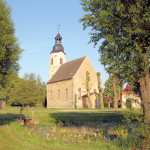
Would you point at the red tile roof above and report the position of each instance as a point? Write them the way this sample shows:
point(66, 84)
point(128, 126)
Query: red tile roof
point(127, 89)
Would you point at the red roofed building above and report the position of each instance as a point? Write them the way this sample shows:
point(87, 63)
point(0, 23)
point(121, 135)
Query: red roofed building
point(127, 93)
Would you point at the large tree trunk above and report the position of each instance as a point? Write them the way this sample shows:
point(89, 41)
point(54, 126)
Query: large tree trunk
point(118, 98)
point(115, 94)
point(145, 95)
point(100, 91)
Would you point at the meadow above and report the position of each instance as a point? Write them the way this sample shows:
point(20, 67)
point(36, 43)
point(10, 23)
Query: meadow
point(108, 129)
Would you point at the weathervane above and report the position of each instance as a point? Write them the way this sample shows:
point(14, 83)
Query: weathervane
point(58, 28)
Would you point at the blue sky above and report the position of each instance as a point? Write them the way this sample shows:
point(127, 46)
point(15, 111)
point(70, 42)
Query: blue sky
point(36, 23)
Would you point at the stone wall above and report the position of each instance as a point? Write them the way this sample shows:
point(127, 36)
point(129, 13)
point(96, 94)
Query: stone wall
point(80, 79)
point(136, 100)
point(57, 97)
point(56, 92)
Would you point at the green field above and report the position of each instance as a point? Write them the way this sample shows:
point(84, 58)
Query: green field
point(71, 129)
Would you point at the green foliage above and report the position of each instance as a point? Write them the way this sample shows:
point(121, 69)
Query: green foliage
point(108, 91)
point(129, 142)
point(133, 117)
point(77, 128)
point(106, 105)
point(135, 137)
point(9, 48)
point(129, 102)
point(29, 90)
point(123, 29)
point(120, 131)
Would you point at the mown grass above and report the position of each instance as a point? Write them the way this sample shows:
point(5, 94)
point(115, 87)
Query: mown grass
point(71, 129)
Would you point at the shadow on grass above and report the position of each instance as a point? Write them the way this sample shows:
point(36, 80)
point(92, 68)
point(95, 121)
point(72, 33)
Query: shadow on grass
point(6, 119)
point(86, 119)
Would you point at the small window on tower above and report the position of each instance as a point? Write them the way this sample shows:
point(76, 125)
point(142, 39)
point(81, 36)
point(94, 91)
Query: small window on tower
point(52, 61)
point(61, 60)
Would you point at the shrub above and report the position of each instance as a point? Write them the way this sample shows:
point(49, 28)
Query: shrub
point(129, 142)
point(119, 131)
point(129, 102)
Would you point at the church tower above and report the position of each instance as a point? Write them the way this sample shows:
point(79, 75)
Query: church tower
point(58, 56)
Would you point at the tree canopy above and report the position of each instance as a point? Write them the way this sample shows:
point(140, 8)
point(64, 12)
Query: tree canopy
point(122, 27)
point(28, 90)
point(9, 47)
point(108, 90)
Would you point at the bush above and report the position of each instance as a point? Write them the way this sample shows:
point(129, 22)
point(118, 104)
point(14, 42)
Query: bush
point(129, 102)
point(106, 104)
point(131, 117)
point(129, 142)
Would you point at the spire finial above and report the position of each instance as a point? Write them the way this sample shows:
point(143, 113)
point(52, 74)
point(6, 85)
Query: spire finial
point(58, 28)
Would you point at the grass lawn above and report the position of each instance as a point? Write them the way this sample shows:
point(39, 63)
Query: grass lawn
point(65, 129)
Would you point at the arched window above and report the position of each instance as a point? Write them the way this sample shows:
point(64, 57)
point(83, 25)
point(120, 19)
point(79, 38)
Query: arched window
point(61, 60)
point(79, 93)
point(66, 94)
point(52, 61)
point(51, 95)
point(58, 94)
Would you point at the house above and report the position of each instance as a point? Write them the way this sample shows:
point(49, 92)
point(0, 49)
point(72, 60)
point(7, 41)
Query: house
point(127, 93)
point(67, 80)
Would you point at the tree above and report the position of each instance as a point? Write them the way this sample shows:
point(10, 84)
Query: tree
point(9, 48)
point(123, 28)
point(113, 87)
point(108, 100)
point(100, 91)
point(88, 87)
point(29, 90)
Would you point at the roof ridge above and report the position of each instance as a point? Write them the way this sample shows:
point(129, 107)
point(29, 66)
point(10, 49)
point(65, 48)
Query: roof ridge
point(67, 70)
point(75, 59)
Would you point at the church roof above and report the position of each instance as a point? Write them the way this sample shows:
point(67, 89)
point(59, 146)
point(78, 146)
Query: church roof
point(58, 48)
point(67, 70)
point(127, 89)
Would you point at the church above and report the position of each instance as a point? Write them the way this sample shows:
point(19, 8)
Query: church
point(66, 87)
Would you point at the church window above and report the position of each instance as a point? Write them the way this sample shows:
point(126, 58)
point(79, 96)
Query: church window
point(61, 60)
point(66, 94)
point(58, 94)
point(52, 61)
point(94, 90)
point(79, 93)
point(51, 95)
